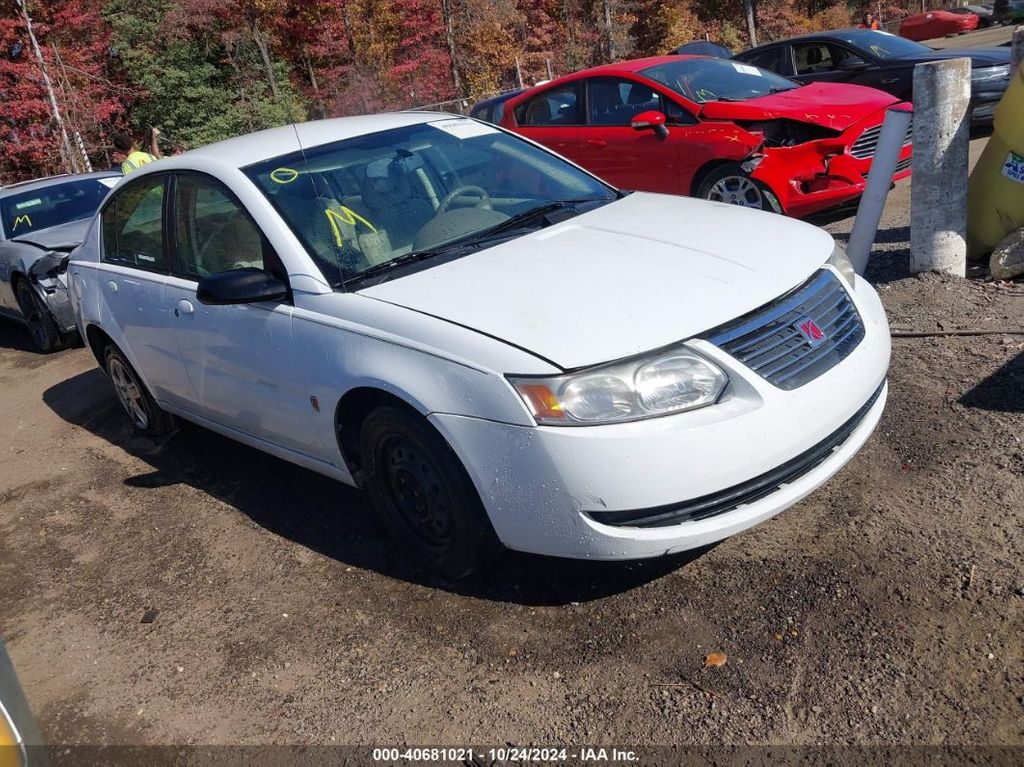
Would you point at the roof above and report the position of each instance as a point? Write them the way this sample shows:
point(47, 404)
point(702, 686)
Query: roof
point(273, 142)
point(829, 33)
point(42, 183)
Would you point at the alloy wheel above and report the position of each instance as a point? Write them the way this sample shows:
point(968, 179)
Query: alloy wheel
point(129, 391)
point(737, 190)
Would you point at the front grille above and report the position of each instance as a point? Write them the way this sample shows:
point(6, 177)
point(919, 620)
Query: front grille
point(901, 166)
point(769, 340)
point(864, 147)
point(739, 495)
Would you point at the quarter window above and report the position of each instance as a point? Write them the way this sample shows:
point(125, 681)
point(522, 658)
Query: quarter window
point(133, 226)
point(213, 233)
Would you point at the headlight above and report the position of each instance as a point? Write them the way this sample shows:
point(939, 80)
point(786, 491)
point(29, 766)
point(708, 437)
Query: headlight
point(667, 382)
point(843, 265)
point(990, 74)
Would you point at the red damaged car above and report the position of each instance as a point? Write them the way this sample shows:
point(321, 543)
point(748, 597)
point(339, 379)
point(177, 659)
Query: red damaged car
point(711, 128)
point(928, 26)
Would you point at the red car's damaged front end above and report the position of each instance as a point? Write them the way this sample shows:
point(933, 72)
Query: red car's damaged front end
point(812, 158)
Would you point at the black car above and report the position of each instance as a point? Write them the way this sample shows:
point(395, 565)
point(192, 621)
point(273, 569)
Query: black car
point(880, 60)
point(491, 110)
point(984, 14)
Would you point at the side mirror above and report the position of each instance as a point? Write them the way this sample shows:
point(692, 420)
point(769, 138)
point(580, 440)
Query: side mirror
point(652, 119)
point(852, 64)
point(240, 286)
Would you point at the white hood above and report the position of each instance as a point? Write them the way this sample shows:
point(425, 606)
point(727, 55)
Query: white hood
point(631, 276)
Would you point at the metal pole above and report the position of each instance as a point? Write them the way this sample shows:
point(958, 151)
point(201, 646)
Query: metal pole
point(1016, 50)
point(938, 194)
point(65, 141)
point(883, 167)
point(519, 73)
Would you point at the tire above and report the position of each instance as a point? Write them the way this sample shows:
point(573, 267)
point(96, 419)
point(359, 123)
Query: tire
point(423, 495)
point(146, 416)
point(44, 331)
point(732, 185)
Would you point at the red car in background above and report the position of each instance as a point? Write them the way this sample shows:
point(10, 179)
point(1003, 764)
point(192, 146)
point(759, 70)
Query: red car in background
point(711, 128)
point(928, 26)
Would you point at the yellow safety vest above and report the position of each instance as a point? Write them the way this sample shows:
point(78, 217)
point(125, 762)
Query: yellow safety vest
point(135, 160)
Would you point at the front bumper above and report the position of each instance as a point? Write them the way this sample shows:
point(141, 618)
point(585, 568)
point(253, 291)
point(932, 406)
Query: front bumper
point(545, 488)
point(812, 181)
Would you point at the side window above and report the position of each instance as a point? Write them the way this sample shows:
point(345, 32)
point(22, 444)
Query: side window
point(770, 59)
point(615, 101)
point(212, 231)
point(554, 107)
point(133, 226)
point(813, 58)
point(846, 59)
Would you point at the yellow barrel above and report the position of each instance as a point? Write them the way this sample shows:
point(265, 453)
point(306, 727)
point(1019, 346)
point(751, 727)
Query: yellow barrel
point(995, 192)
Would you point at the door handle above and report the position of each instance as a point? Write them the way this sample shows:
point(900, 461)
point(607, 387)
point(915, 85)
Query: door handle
point(889, 80)
point(111, 286)
point(184, 307)
point(599, 143)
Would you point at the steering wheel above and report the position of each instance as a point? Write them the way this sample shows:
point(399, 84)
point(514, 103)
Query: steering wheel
point(483, 201)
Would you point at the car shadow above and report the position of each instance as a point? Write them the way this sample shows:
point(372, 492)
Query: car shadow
point(14, 336)
point(1003, 391)
point(324, 515)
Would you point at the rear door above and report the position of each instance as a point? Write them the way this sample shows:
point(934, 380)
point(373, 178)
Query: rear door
point(625, 157)
point(134, 266)
point(553, 118)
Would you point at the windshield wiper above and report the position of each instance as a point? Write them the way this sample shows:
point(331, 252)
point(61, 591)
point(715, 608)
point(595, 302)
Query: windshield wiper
point(531, 213)
point(470, 242)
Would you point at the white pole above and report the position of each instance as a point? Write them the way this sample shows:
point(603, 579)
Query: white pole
point(883, 167)
point(1016, 50)
point(938, 191)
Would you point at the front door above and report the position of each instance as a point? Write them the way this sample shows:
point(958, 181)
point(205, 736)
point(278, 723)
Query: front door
point(613, 150)
point(240, 362)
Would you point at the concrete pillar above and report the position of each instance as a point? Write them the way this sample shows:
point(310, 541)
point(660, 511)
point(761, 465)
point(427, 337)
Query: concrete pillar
point(938, 190)
point(872, 202)
point(1016, 49)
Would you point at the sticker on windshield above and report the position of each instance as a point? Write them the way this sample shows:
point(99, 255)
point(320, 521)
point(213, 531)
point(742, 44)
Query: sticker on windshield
point(28, 204)
point(1013, 168)
point(746, 69)
point(110, 182)
point(462, 128)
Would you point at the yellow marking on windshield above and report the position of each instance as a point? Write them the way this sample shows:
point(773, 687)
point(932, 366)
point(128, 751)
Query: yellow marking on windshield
point(345, 216)
point(283, 175)
point(21, 219)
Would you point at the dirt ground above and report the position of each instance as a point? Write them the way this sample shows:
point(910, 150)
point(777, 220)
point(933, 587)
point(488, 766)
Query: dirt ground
point(888, 608)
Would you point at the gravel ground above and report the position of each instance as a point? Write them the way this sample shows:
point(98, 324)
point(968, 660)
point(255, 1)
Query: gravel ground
point(885, 609)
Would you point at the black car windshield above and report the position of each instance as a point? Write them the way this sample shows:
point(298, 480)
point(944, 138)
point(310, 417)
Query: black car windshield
point(881, 45)
point(364, 204)
point(58, 203)
point(702, 80)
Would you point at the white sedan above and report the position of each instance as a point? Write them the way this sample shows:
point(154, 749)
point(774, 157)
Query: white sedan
point(493, 343)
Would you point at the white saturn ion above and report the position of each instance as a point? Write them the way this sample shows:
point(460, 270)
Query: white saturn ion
point(495, 344)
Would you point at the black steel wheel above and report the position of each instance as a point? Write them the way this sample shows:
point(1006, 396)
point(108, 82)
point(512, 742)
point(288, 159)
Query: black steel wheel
point(421, 492)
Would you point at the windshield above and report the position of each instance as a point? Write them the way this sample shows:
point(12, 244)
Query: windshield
point(703, 80)
point(361, 204)
point(882, 45)
point(41, 208)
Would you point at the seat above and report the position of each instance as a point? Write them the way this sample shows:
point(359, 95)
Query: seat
point(393, 205)
point(306, 211)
